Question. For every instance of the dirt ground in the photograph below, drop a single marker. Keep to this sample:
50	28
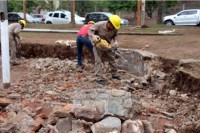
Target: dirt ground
182	46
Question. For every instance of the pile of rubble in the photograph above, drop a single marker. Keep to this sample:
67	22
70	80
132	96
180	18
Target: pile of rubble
53	97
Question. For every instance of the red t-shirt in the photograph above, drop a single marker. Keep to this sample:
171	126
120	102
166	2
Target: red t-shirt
84	30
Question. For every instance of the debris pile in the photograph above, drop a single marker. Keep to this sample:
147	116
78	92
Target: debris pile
52	96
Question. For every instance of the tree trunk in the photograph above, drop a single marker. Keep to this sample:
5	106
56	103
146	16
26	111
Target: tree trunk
138	13
51	8
72	13
24	9
160	11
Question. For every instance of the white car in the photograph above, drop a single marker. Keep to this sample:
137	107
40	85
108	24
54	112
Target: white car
38	17
29	18
185	17
62	17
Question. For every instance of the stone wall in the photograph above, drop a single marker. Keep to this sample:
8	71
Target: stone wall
108	102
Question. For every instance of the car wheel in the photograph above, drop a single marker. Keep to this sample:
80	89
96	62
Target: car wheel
169	22
48	22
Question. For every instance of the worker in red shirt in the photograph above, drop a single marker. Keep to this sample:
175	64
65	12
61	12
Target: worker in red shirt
82	39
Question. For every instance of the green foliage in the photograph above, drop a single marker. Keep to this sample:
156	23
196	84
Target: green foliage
169	3
64	5
15	6
82	7
152	5
30	6
118	5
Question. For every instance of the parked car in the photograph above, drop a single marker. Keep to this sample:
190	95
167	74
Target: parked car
101	16
16	16
62	17
49	14
184	17
29	18
13	17
39	17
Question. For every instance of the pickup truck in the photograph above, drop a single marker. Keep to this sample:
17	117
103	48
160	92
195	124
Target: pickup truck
184	17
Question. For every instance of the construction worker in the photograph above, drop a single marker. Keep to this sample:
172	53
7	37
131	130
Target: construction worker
107	30
15	39
81	40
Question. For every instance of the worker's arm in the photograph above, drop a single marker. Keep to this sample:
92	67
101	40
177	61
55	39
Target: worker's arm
115	40
91	32
16	33
94	28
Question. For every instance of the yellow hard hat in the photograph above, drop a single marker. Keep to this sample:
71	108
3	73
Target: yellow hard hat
115	20
22	22
91	22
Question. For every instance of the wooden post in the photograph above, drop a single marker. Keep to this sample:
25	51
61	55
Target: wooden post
24	9
139	13
72	13
4	44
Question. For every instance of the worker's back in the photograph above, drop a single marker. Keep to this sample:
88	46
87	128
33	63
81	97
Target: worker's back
14	28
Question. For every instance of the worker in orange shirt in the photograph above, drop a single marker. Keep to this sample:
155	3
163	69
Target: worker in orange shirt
81	40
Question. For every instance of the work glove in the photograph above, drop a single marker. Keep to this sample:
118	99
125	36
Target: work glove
95	39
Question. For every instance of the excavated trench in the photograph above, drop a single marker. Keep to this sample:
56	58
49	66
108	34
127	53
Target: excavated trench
181	75
184	75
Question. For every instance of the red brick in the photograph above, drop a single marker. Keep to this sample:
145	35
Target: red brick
2	119
4	101
38	122
67	107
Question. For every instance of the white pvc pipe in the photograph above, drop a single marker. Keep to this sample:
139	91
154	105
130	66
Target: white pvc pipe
5	53
49	30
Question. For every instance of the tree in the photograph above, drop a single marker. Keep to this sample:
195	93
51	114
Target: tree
150	7
17	6
82	7
160	11
162	5
169	4
118	5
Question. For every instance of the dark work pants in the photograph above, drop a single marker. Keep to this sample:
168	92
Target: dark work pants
80	41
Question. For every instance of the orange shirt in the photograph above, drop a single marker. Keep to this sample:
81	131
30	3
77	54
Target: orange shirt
84	30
